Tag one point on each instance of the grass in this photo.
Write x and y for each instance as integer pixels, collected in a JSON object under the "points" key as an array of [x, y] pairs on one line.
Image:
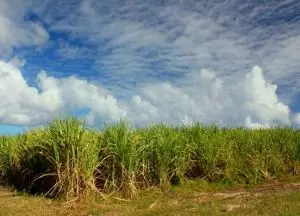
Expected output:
{"points": [[68, 161]]}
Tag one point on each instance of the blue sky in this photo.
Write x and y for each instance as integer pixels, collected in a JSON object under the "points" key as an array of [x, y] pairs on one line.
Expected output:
{"points": [[232, 62]]}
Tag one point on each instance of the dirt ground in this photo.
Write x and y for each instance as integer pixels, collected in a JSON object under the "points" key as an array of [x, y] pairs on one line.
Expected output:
{"points": [[270, 199]]}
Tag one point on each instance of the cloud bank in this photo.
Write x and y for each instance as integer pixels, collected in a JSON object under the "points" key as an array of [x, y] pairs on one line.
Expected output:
{"points": [[202, 96]]}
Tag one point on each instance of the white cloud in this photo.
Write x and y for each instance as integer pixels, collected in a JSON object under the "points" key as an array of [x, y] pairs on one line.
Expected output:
{"points": [[71, 51], [15, 30], [250, 124], [17, 61], [25, 105], [297, 119], [262, 98], [90, 118], [39, 35], [21, 104]]}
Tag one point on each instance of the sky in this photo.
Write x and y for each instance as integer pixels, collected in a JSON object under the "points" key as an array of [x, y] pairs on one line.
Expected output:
{"points": [[231, 62]]}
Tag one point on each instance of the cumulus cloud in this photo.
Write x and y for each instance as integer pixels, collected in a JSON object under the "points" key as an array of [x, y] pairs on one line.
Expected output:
{"points": [[25, 105], [262, 98], [205, 97]]}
